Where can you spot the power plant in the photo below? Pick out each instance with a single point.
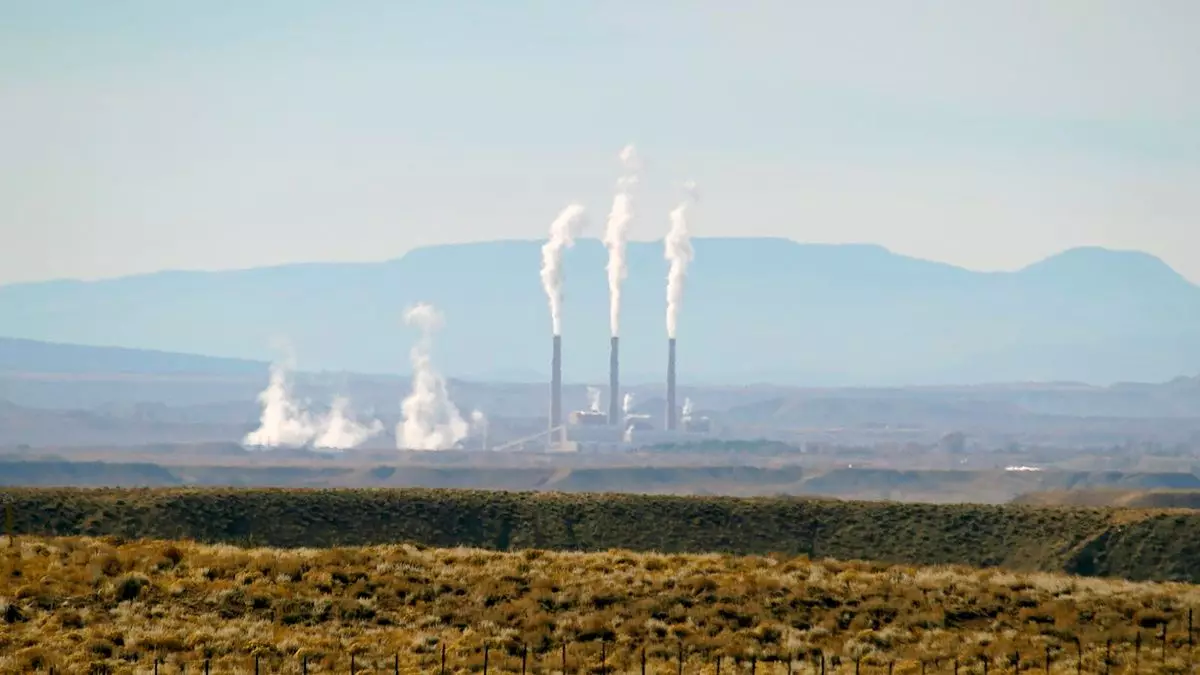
(615, 427)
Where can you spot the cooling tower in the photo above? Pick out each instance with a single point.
(556, 384)
(614, 385)
(671, 384)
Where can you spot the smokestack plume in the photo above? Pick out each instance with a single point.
(562, 236)
(614, 385)
(556, 384)
(616, 235)
(671, 384)
(678, 252)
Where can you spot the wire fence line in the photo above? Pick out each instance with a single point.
(1135, 653)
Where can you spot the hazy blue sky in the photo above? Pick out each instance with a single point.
(141, 135)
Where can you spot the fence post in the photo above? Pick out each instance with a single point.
(485, 658)
(256, 664)
(955, 666)
(1078, 657)
(1017, 661)
(1047, 659)
(985, 660)
(821, 653)
(443, 671)
(564, 658)
(155, 665)
(718, 664)
(1190, 643)
(1137, 653)
(206, 666)
(304, 664)
(1108, 656)
(396, 664)
(524, 658)
(892, 667)
(681, 657)
(643, 660)
(1162, 655)
(753, 665)
(354, 668)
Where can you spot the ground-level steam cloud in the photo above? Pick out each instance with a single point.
(431, 420)
(286, 422)
(339, 430)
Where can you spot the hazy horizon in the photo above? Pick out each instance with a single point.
(587, 237)
(142, 137)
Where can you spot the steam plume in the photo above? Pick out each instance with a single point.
(627, 404)
(687, 409)
(679, 253)
(339, 430)
(562, 236)
(431, 421)
(593, 394)
(284, 422)
(616, 235)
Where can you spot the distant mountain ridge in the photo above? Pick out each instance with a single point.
(32, 356)
(755, 310)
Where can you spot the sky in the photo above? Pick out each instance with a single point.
(140, 135)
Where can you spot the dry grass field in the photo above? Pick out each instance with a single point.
(1128, 499)
(97, 605)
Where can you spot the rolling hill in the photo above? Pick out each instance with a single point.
(1140, 545)
(755, 310)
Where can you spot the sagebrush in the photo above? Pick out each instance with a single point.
(107, 605)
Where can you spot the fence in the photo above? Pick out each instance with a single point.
(1160, 652)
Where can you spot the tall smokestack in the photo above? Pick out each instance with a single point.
(671, 384)
(614, 384)
(556, 384)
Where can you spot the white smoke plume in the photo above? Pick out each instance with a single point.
(284, 421)
(340, 431)
(562, 236)
(431, 420)
(616, 235)
(479, 427)
(679, 253)
(687, 409)
(627, 404)
(593, 394)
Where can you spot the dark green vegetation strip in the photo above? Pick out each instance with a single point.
(1142, 545)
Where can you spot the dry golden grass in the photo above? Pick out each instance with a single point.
(88, 605)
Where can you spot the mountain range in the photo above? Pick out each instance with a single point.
(755, 310)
